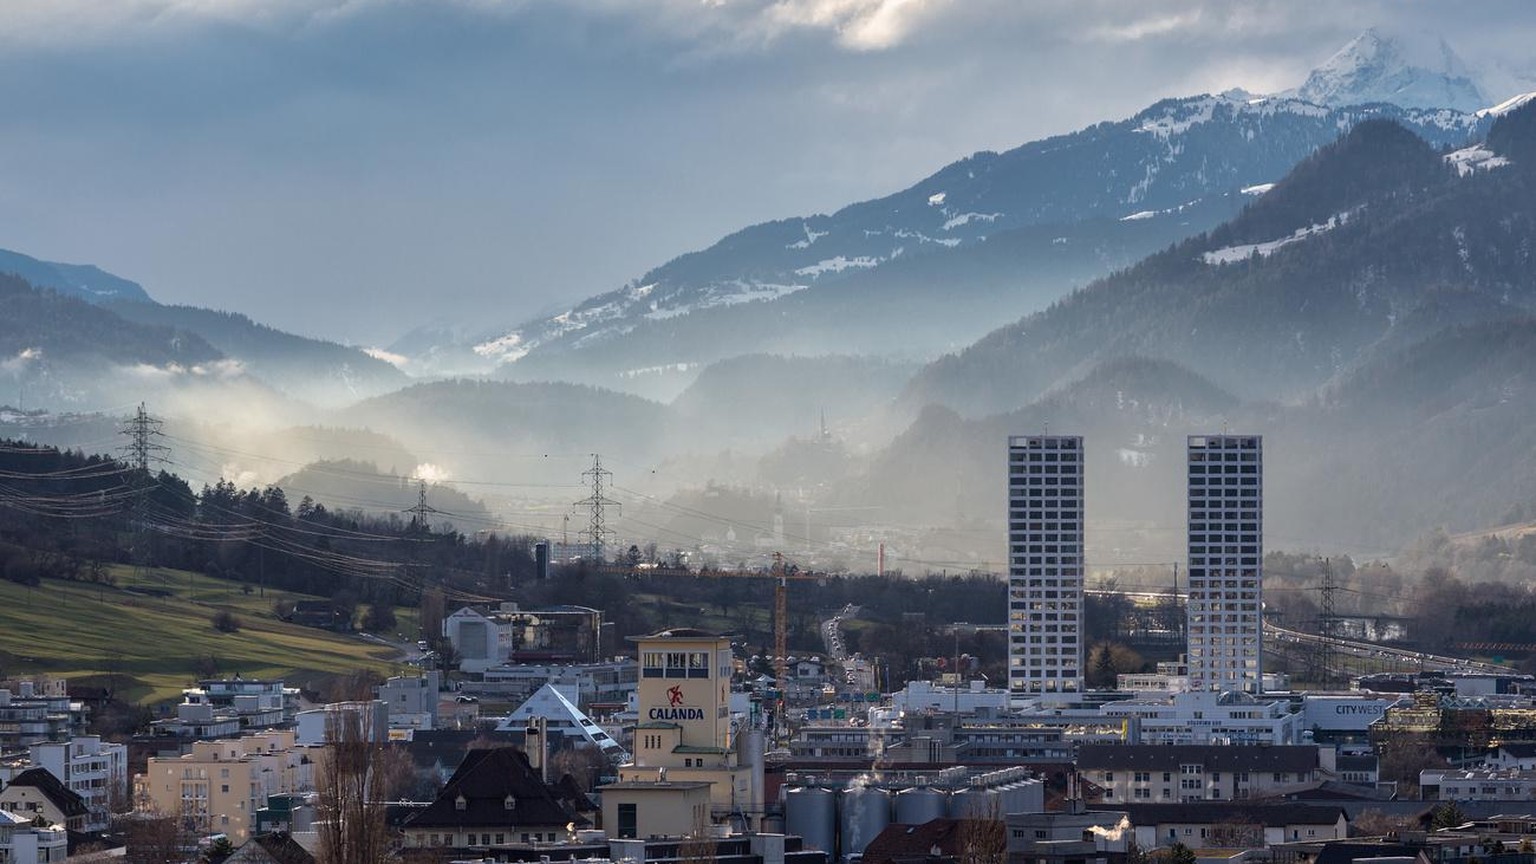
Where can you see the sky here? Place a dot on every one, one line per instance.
(352, 169)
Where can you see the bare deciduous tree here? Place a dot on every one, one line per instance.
(351, 792)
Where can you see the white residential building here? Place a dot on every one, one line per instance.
(1045, 566)
(1226, 558)
(412, 700)
(95, 770)
(318, 726)
(21, 842)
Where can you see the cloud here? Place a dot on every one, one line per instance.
(863, 25)
(21, 361)
(859, 25)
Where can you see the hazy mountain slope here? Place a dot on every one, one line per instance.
(1280, 299)
(349, 484)
(1176, 153)
(85, 281)
(60, 351)
(510, 434)
(757, 399)
(1132, 411)
(1440, 434)
(311, 369)
(912, 307)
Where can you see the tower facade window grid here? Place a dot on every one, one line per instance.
(1226, 562)
(1045, 565)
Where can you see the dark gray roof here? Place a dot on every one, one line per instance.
(484, 780)
(67, 800)
(1367, 762)
(1346, 853)
(1215, 757)
(1198, 812)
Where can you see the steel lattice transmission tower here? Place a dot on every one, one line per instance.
(1327, 625)
(421, 510)
(597, 504)
(143, 431)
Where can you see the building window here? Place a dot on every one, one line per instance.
(629, 821)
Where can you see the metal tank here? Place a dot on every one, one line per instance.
(920, 804)
(1030, 796)
(866, 810)
(975, 803)
(811, 812)
(749, 752)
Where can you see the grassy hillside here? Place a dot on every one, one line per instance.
(154, 635)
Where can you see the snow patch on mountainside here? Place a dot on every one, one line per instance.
(505, 348)
(810, 237)
(1257, 189)
(966, 218)
(1469, 160)
(837, 265)
(740, 291)
(1230, 254)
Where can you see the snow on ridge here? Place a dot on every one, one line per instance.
(659, 370)
(837, 265)
(1257, 189)
(1230, 254)
(1183, 118)
(1140, 215)
(1469, 160)
(1507, 105)
(966, 218)
(398, 361)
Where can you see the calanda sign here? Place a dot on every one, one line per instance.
(675, 709)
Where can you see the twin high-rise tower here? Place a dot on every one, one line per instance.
(1046, 568)
(1226, 559)
(1045, 565)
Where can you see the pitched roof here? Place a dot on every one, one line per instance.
(1215, 757)
(570, 793)
(917, 842)
(62, 797)
(483, 781)
(275, 848)
(1346, 853)
(1201, 812)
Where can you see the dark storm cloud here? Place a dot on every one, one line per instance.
(348, 168)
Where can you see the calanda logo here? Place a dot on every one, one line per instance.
(675, 709)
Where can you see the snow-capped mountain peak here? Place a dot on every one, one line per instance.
(1409, 70)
